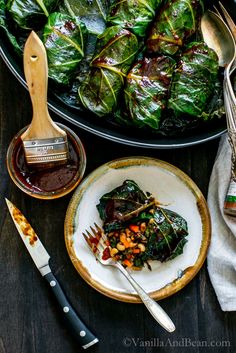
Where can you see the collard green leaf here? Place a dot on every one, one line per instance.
(134, 15)
(116, 49)
(64, 41)
(166, 235)
(5, 29)
(29, 14)
(91, 12)
(99, 93)
(100, 90)
(194, 80)
(121, 200)
(176, 22)
(166, 231)
(147, 89)
(115, 52)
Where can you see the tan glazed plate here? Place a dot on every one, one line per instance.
(172, 188)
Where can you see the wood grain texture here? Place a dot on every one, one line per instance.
(29, 317)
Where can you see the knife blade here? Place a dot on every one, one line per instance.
(41, 258)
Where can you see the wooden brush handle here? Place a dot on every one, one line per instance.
(36, 74)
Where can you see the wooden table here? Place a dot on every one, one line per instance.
(30, 319)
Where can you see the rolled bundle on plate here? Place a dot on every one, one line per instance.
(138, 229)
(147, 89)
(134, 15)
(194, 80)
(176, 21)
(115, 54)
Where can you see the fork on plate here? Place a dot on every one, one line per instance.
(97, 242)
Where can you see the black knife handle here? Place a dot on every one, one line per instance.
(80, 331)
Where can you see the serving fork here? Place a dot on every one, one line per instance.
(97, 242)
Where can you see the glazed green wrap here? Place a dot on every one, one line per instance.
(28, 13)
(116, 49)
(128, 204)
(147, 89)
(194, 80)
(134, 15)
(176, 21)
(64, 42)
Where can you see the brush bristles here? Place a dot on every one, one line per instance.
(46, 151)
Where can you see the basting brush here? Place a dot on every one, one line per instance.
(45, 143)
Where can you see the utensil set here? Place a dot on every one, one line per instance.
(230, 110)
(222, 39)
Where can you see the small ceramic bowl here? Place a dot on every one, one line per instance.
(47, 183)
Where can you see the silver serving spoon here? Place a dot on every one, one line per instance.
(217, 36)
(225, 16)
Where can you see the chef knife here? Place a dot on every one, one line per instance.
(41, 260)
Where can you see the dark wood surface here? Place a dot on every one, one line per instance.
(29, 317)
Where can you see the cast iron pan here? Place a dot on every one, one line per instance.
(98, 126)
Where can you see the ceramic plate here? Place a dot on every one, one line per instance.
(171, 187)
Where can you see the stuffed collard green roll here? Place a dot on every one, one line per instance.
(135, 219)
(116, 50)
(134, 15)
(176, 21)
(147, 90)
(28, 13)
(194, 80)
(64, 42)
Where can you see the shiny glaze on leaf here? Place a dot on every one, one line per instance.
(134, 15)
(64, 41)
(176, 22)
(194, 80)
(147, 90)
(27, 13)
(115, 52)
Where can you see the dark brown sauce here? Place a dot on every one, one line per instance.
(45, 179)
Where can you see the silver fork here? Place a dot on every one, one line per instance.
(227, 17)
(97, 243)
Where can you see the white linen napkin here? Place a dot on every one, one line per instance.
(222, 252)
